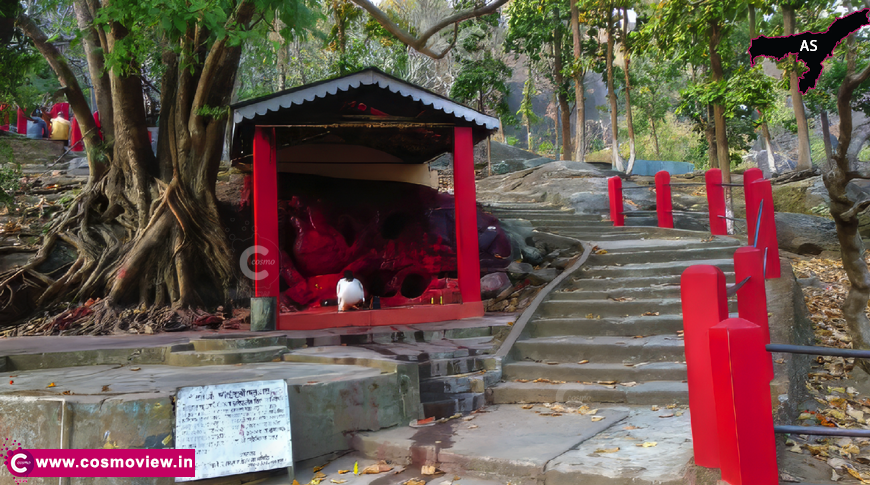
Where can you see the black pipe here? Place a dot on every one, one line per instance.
(821, 431)
(806, 349)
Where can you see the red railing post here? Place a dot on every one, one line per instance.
(614, 191)
(763, 195)
(664, 203)
(752, 296)
(705, 304)
(716, 202)
(750, 176)
(743, 406)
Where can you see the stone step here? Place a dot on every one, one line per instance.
(632, 293)
(653, 392)
(658, 348)
(654, 269)
(663, 255)
(616, 327)
(594, 372)
(229, 343)
(586, 283)
(659, 244)
(609, 308)
(618, 235)
(585, 229)
(193, 358)
(554, 217)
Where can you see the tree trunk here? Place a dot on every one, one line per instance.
(146, 229)
(558, 123)
(561, 93)
(579, 90)
(710, 135)
(73, 91)
(614, 122)
(845, 212)
(718, 108)
(628, 121)
(94, 45)
(765, 131)
(826, 134)
(652, 123)
(804, 161)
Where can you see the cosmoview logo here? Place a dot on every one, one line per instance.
(260, 252)
(19, 462)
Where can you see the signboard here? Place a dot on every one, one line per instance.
(235, 428)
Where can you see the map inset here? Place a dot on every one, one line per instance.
(811, 48)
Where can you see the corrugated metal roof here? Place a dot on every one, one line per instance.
(250, 109)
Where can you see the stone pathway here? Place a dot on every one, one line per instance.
(609, 337)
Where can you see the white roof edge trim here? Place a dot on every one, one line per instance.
(354, 81)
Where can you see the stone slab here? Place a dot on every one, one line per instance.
(666, 463)
(506, 441)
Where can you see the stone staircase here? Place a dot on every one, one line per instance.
(611, 332)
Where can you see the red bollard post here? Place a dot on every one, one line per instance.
(664, 203)
(752, 296)
(614, 191)
(22, 122)
(743, 406)
(750, 176)
(763, 194)
(705, 304)
(716, 202)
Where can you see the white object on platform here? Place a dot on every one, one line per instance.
(349, 293)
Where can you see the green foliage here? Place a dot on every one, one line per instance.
(526, 112)
(511, 140)
(546, 147)
(484, 81)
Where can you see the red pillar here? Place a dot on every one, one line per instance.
(752, 296)
(750, 176)
(266, 253)
(22, 122)
(705, 304)
(465, 201)
(75, 136)
(763, 193)
(743, 405)
(617, 209)
(716, 202)
(664, 203)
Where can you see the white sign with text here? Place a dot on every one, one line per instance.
(235, 428)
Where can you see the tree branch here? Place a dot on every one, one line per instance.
(419, 43)
(856, 209)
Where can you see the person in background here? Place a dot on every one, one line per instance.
(60, 128)
(39, 129)
(350, 292)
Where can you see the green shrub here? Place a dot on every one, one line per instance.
(511, 140)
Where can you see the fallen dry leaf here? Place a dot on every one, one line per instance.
(647, 444)
(597, 418)
(337, 481)
(415, 481)
(669, 415)
(607, 450)
(650, 314)
(528, 406)
(428, 470)
(50, 385)
(629, 428)
(342, 472)
(379, 467)
(583, 362)
(105, 388)
(318, 468)
(134, 369)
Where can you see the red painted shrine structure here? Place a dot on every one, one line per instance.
(363, 126)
